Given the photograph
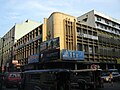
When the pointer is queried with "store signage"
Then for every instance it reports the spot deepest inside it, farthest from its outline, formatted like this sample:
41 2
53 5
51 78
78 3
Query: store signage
72 55
50 55
88 36
33 58
50 44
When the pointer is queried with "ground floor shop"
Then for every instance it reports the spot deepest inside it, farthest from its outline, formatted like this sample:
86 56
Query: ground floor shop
73 65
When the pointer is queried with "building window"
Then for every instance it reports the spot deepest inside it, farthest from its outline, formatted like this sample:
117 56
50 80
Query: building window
113 24
30 34
106 21
94 33
79 47
96 49
105 27
84 31
101 26
98 18
97 24
90 49
90 32
85 48
79 30
37 32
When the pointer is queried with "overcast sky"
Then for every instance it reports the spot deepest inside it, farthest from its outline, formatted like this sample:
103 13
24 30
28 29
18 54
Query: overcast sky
17 11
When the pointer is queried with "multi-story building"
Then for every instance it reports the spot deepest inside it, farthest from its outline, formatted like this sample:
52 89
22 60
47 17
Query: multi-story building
63 42
8 40
108 35
27 48
78 42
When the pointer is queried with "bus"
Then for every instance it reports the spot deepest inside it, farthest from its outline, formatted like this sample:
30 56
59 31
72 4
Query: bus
60 79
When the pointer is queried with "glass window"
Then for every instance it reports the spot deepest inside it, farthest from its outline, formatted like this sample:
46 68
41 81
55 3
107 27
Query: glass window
37 32
90 49
79 30
84 31
106 21
79 47
13 75
98 18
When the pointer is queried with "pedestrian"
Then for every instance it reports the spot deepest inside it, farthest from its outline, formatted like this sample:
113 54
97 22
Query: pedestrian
111 78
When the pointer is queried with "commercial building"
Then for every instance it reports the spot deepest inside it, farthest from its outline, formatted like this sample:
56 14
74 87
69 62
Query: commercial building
65 42
108 35
9 39
28 47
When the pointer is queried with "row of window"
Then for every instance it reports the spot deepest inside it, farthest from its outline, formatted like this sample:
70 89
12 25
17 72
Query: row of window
87 48
110 29
108 22
85 31
31 35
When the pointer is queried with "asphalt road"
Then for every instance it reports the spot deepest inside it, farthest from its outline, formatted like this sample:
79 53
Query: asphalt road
107 86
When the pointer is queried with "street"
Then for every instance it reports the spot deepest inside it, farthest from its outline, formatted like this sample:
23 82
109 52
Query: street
107 86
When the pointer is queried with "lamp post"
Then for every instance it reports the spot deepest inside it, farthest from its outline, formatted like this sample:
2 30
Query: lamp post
2 51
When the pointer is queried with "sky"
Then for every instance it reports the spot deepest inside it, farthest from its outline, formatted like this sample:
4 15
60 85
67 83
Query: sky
18 11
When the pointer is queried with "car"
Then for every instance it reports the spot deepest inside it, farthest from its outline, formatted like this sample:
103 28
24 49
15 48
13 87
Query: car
105 75
12 79
115 73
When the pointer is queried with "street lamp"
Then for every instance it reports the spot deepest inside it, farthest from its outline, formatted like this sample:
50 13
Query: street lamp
2 50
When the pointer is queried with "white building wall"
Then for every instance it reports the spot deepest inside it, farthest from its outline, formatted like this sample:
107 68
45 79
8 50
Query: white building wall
17 31
90 19
24 28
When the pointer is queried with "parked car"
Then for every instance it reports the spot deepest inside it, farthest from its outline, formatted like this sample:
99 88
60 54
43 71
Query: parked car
12 79
106 73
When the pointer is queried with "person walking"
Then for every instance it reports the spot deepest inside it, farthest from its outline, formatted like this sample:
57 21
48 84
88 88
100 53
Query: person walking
111 78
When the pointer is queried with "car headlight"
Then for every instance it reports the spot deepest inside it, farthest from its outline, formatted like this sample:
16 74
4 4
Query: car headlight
107 79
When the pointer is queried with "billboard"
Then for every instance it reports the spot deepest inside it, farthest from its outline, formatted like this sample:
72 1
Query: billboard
33 58
72 55
50 44
50 55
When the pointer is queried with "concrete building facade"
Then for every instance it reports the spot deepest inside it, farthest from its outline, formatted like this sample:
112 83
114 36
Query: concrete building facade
80 45
108 34
9 39
65 41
